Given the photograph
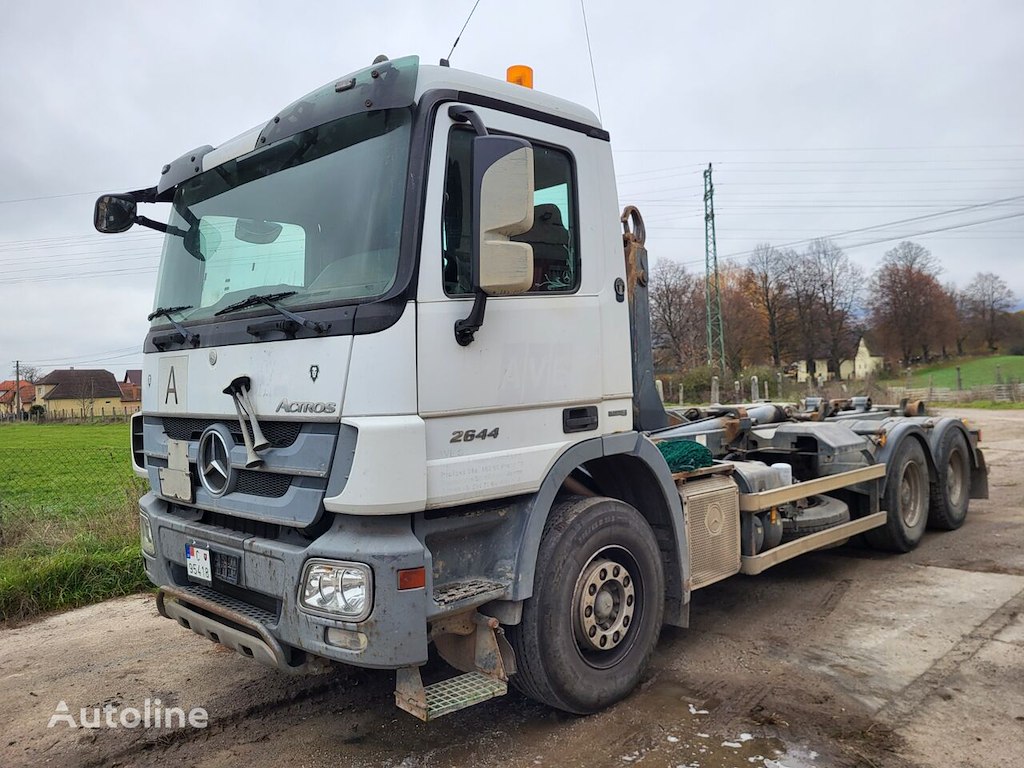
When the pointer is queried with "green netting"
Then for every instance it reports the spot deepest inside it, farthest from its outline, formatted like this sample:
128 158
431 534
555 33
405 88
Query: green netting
685 455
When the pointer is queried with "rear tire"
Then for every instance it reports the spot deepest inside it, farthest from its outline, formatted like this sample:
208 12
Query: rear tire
905 499
951 492
588 632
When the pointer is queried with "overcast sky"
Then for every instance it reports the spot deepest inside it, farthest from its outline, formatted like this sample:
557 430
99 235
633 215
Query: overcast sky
819 117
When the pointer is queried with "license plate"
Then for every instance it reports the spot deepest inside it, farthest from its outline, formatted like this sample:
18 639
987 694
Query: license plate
197 563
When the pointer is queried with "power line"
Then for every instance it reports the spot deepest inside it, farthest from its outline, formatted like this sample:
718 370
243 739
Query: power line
57 242
940 229
136 348
49 197
904 236
949 212
81 276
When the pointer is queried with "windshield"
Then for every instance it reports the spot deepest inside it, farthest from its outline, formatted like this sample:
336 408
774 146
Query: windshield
319 213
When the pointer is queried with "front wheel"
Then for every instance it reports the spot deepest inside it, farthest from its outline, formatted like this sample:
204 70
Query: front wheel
588 632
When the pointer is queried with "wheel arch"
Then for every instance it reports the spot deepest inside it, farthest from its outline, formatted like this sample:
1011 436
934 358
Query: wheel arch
944 425
627 467
895 437
979 471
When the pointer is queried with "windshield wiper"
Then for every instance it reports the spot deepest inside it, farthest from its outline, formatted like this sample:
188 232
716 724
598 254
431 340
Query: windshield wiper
186 334
270 299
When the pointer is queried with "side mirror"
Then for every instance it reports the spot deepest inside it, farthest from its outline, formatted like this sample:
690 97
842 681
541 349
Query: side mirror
504 193
114 213
502 174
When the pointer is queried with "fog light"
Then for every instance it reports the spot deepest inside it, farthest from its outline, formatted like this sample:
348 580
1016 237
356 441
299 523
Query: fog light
338 589
346 639
146 535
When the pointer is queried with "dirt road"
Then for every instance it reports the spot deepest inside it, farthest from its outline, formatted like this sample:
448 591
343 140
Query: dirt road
842 658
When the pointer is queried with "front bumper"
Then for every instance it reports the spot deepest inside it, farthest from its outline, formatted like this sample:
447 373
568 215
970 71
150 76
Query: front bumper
258 615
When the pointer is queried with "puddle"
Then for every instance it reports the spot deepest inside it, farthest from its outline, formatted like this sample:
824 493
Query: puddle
687 737
705 750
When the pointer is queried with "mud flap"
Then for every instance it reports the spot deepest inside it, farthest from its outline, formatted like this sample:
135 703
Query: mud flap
979 476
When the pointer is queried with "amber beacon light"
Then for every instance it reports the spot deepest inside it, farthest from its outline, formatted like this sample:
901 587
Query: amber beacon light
520 74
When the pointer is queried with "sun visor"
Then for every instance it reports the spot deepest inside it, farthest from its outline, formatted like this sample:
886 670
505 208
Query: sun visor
385 85
185 167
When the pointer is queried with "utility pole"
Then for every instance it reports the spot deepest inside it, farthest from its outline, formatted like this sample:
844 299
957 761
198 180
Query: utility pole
712 292
17 390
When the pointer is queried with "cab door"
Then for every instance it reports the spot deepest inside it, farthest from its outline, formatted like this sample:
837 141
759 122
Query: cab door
500 410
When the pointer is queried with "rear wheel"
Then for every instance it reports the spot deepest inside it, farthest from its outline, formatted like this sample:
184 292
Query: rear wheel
905 499
951 492
589 630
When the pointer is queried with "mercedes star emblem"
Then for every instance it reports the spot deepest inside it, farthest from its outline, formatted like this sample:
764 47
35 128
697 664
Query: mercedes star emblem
214 460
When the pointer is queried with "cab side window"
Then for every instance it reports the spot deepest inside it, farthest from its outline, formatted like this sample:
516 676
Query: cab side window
556 261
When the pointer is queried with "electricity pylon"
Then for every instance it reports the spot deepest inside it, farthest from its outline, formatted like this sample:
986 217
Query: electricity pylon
712 291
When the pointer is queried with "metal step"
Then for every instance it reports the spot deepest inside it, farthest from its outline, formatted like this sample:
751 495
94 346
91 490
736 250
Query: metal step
439 699
475 590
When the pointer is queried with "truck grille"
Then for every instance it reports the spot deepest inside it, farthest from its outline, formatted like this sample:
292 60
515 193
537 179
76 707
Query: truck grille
281 434
264 484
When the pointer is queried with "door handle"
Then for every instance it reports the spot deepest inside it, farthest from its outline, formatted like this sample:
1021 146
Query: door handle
582 419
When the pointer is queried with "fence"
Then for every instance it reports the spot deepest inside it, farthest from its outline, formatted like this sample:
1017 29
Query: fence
74 416
65 469
68 517
1012 392
997 389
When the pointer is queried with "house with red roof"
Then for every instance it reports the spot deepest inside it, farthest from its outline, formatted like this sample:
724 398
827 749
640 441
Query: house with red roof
9 397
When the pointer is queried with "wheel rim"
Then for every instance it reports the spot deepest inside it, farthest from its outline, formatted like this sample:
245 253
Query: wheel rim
912 507
607 604
955 478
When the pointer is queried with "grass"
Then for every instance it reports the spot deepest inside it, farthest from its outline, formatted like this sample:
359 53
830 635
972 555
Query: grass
976 372
68 517
988 405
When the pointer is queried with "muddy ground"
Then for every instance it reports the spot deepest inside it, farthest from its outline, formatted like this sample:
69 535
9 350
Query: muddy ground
842 658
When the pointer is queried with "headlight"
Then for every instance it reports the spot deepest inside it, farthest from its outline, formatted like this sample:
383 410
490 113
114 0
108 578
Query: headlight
146 535
338 589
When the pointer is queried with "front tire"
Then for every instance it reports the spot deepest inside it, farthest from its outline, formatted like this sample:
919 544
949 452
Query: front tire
588 632
905 500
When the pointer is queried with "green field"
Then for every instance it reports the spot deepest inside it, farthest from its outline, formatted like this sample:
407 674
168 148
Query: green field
976 372
68 517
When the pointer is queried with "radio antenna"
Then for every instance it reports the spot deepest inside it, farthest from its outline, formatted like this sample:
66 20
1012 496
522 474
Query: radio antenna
590 52
459 36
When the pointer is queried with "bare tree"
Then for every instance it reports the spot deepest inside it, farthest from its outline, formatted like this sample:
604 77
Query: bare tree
945 324
677 316
767 266
29 373
800 279
963 308
85 393
837 283
990 298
